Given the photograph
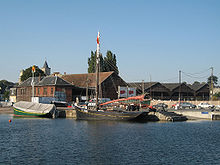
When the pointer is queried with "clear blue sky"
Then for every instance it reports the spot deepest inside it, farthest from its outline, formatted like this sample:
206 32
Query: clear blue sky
154 38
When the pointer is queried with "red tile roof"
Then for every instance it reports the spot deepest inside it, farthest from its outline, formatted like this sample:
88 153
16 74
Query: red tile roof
81 80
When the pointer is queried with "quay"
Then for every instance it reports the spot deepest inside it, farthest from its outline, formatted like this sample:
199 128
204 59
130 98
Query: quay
64 112
208 114
168 115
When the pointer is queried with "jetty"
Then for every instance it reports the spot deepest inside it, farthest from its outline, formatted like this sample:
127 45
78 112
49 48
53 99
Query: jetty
165 116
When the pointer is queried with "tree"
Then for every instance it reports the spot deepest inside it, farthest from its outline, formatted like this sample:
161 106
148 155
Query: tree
107 64
215 80
92 63
28 73
110 62
6 95
196 83
5 85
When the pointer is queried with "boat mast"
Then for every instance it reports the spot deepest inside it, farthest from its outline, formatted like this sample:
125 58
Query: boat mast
97 72
32 82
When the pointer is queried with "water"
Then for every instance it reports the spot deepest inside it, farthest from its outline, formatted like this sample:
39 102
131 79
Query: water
66 141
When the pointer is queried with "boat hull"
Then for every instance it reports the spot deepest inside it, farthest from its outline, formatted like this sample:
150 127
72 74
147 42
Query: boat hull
82 114
19 112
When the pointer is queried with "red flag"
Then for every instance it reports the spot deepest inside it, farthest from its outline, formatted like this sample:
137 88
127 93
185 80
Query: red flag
33 68
98 38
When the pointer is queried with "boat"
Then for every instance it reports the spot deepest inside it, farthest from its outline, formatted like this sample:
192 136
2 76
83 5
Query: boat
120 115
31 109
120 109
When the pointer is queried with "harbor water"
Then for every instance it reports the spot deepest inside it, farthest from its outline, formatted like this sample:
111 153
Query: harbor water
67 141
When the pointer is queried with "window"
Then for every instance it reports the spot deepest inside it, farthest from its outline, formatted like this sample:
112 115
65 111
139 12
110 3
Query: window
45 91
38 91
51 91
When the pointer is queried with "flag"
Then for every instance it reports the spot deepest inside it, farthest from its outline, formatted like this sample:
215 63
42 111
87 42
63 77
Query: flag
33 68
98 38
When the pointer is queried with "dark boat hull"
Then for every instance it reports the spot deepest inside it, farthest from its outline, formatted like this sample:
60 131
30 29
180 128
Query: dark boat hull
82 114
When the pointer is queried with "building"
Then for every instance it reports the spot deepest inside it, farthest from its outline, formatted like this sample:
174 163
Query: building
13 95
108 81
173 91
46 69
46 89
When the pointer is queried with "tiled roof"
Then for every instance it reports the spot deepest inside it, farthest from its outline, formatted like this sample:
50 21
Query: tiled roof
82 80
138 85
171 86
197 87
52 80
45 81
29 80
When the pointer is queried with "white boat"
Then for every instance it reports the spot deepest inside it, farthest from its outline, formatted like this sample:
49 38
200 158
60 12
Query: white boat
32 109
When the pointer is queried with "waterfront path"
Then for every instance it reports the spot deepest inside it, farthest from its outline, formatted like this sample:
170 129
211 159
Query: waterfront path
6 110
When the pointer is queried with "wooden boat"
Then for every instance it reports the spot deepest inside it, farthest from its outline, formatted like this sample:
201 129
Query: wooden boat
31 109
101 113
121 115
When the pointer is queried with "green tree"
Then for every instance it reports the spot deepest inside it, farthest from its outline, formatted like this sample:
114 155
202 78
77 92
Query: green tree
215 80
5 85
6 95
92 63
196 83
110 62
28 73
107 64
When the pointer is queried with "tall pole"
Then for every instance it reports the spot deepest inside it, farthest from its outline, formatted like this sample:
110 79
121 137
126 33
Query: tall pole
97 72
212 83
32 82
142 86
150 87
179 86
87 89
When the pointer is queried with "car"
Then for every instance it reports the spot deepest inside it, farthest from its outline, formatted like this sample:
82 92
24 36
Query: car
205 106
160 106
217 107
186 105
183 105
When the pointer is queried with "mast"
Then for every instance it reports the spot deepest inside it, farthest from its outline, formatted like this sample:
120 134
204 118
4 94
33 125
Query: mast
179 86
32 82
211 83
97 72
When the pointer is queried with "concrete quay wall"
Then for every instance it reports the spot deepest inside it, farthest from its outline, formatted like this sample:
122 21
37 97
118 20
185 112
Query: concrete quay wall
200 114
170 103
66 112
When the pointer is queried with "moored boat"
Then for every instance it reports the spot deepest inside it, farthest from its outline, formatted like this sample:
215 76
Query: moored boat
86 114
31 109
120 110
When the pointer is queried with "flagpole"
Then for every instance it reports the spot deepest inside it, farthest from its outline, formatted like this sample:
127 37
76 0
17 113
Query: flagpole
32 83
97 72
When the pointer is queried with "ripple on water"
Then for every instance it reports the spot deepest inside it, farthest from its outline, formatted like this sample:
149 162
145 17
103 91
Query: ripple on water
66 141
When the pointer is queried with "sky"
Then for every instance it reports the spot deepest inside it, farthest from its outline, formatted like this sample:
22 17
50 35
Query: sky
152 39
